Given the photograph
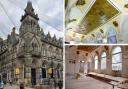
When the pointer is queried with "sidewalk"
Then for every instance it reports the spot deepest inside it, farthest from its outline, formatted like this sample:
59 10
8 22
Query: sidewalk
14 87
7 86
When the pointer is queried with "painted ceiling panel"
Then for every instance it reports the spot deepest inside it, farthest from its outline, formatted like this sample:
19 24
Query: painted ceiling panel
100 13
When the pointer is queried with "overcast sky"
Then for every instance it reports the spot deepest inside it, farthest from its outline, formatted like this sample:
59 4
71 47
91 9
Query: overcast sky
50 13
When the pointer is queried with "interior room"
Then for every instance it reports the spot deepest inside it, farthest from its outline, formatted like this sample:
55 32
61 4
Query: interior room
96 21
96 67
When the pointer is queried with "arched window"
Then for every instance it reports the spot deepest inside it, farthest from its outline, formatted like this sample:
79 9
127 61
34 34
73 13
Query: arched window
117 59
96 62
34 46
99 38
111 36
92 40
77 40
103 61
86 40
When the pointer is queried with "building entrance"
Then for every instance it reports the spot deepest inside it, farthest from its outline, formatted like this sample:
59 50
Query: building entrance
33 76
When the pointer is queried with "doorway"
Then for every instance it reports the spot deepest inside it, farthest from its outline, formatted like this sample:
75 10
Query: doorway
43 72
33 76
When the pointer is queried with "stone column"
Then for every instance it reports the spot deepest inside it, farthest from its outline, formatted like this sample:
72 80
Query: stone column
38 75
109 65
27 75
28 62
99 65
125 64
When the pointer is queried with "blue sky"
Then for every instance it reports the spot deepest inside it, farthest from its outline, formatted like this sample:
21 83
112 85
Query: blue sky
50 13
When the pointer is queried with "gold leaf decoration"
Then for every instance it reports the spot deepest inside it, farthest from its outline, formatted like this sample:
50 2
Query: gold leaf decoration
101 30
115 23
80 2
126 5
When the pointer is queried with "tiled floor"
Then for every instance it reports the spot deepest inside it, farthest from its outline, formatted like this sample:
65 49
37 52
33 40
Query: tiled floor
85 83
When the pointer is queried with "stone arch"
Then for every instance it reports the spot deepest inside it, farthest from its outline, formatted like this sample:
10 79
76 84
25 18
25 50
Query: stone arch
50 51
44 49
35 44
122 49
57 52
44 63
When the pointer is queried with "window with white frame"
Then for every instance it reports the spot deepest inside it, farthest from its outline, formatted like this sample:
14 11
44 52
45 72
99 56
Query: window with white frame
96 62
117 59
103 61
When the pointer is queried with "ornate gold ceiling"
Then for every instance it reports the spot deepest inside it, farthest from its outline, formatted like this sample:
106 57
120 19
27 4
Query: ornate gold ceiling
99 14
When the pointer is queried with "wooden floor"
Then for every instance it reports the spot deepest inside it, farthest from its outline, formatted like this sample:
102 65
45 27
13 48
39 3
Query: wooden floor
85 83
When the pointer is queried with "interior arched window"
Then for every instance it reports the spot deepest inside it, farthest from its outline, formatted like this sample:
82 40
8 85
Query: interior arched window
103 61
92 40
77 40
86 40
117 59
99 38
96 62
111 36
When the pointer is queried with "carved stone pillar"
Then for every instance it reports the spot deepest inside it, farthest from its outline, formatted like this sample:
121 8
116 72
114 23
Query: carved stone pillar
28 61
27 75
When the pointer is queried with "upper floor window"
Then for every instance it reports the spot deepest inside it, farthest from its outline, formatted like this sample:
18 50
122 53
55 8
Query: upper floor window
117 59
96 62
103 61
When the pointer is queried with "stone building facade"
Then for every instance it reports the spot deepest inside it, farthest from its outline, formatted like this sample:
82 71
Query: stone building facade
31 56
